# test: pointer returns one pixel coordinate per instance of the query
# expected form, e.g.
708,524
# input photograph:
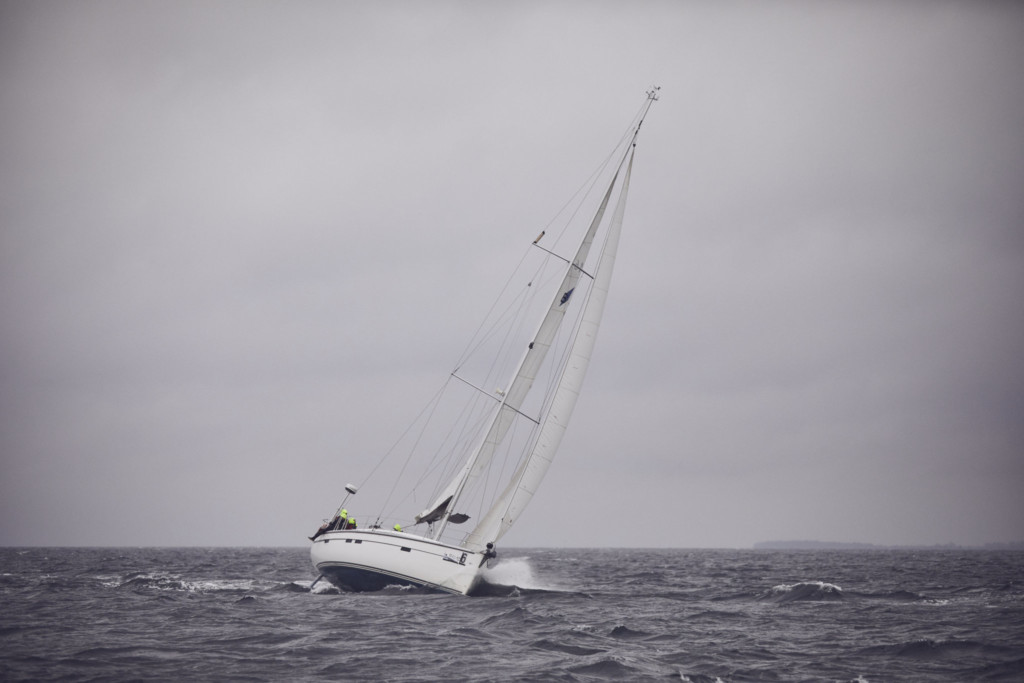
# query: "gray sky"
242,242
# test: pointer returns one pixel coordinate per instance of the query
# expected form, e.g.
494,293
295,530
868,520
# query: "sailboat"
521,425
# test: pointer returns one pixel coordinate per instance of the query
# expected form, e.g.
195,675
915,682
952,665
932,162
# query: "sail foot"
435,513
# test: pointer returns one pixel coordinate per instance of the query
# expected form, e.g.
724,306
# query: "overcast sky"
242,242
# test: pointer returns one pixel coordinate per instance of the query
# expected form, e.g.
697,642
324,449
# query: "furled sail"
523,380
531,471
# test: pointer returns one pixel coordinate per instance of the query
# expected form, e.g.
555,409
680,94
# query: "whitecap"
805,590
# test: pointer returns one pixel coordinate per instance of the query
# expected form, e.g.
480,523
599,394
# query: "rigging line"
564,260
455,453
460,482
589,184
577,324
591,180
457,441
482,391
457,446
501,294
557,370
447,441
521,300
432,405
510,322
633,128
635,132
467,352
433,401
473,422
506,318
503,405
489,491
512,330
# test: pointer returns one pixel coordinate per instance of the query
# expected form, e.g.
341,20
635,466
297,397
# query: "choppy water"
561,615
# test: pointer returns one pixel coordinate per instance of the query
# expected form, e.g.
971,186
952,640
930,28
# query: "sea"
258,614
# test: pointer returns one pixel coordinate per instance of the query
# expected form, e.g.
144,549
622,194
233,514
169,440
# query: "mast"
505,511
522,378
443,506
531,471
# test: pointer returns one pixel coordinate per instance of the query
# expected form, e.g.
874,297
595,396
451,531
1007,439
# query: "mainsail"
532,468
531,471
526,373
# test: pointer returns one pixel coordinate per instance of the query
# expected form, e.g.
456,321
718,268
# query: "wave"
295,587
405,589
626,633
928,649
805,591
1012,670
895,595
820,591
733,596
611,669
714,615
517,619
566,648
171,582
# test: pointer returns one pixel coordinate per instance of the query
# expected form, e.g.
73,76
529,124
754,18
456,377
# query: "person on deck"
337,523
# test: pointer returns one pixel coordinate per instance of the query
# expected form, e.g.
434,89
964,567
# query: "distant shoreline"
833,545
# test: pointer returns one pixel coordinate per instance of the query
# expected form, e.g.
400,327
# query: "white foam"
219,585
175,582
515,571
321,587
820,585
109,580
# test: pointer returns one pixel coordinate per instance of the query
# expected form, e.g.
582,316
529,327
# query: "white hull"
374,558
